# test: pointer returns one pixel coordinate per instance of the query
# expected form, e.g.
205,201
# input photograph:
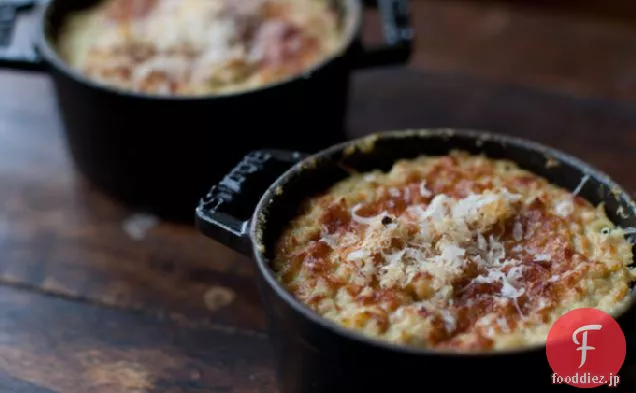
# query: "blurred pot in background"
158,153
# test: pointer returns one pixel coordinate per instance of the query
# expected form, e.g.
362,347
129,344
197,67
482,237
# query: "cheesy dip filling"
197,47
457,252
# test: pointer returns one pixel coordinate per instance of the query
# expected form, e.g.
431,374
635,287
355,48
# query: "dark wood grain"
51,345
619,11
600,132
75,282
567,52
86,308
62,237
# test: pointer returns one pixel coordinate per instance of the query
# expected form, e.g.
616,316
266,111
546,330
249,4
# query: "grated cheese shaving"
564,208
496,275
328,239
407,194
364,220
442,228
450,321
578,188
503,324
451,254
370,177
543,303
425,192
438,208
198,47
481,242
480,256
359,254
496,252
468,208
515,274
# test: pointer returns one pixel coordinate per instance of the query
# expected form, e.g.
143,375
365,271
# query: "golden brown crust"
198,47
459,252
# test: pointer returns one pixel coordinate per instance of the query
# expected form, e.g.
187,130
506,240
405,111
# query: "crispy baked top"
458,252
195,47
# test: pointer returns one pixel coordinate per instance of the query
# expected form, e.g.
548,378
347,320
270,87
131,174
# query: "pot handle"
225,212
398,34
9,11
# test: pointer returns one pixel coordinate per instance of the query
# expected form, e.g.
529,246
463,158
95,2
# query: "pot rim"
365,144
50,55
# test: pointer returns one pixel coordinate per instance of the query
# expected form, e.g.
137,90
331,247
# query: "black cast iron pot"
160,153
314,355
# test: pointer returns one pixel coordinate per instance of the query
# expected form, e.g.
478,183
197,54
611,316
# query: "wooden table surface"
88,306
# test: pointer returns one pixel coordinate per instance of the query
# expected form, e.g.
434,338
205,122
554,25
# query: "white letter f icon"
584,347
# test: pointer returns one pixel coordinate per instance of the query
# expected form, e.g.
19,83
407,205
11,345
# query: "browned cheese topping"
458,252
196,47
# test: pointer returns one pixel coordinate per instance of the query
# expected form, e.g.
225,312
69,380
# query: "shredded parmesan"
503,324
425,192
449,320
507,289
542,303
565,207
578,188
481,242
329,240
370,177
438,208
363,220
407,194
359,254
198,47
487,258
496,252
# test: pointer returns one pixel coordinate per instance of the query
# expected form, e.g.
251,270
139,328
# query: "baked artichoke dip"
198,47
458,252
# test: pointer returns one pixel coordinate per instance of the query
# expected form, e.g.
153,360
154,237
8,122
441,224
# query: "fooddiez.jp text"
611,381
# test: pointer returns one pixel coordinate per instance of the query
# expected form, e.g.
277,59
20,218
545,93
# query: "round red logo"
586,348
